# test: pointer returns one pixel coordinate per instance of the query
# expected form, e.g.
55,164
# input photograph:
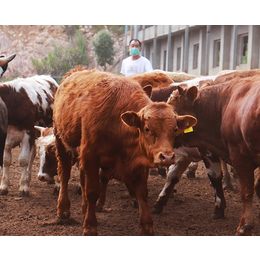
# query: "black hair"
140,44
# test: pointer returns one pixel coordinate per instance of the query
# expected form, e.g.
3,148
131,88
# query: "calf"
48,162
115,127
4,63
29,101
229,127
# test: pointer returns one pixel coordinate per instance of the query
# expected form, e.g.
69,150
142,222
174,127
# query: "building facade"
199,49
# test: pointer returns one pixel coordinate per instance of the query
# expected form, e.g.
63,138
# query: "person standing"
135,63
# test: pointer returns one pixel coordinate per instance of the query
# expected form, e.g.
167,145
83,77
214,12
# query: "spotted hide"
29,102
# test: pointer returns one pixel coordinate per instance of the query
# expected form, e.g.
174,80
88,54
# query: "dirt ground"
188,212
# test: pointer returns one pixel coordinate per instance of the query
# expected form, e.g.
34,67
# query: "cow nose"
167,158
41,178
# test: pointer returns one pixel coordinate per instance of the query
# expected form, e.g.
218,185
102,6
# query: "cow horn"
5,60
39,128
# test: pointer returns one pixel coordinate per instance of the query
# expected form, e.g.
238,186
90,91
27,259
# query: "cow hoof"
136,206
190,174
78,191
99,208
90,231
24,193
219,213
244,231
157,209
56,191
146,231
3,192
64,215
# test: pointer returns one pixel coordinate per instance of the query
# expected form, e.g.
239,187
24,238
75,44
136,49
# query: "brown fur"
228,125
155,79
89,109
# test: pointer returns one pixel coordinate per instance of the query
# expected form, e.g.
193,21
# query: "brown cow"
155,79
114,126
228,125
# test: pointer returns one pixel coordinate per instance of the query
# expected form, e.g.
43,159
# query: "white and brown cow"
48,163
4,63
29,102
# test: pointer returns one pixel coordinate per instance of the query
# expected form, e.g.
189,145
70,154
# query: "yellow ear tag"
188,130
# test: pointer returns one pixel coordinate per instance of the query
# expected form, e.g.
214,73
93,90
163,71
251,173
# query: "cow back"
92,102
29,101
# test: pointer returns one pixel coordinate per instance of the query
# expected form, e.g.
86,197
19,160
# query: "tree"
61,60
103,46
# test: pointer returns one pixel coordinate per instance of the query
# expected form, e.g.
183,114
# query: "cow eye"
147,130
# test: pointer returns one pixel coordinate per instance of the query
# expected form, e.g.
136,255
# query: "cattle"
228,125
191,156
177,76
155,79
29,101
48,163
4,63
47,154
109,123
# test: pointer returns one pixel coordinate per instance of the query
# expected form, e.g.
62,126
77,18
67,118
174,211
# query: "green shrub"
103,46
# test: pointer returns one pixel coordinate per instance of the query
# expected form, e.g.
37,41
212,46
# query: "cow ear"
192,93
181,90
131,119
148,90
185,122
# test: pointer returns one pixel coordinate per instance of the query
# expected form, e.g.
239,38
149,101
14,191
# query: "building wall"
225,52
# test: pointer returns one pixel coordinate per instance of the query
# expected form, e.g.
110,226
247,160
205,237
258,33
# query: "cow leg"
227,184
174,174
89,175
192,169
257,183
64,167
26,158
131,191
102,197
213,168
6,166
141,191
246,188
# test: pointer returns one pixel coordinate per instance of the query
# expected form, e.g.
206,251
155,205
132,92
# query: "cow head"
182,100
46,150
158,125
4,63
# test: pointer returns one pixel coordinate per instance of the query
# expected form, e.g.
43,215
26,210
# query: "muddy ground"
188,212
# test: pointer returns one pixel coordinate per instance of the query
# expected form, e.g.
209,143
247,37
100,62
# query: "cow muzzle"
165,159
45,177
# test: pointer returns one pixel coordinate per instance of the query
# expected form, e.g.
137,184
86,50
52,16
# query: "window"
216,57
243,49
178,58
195,56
